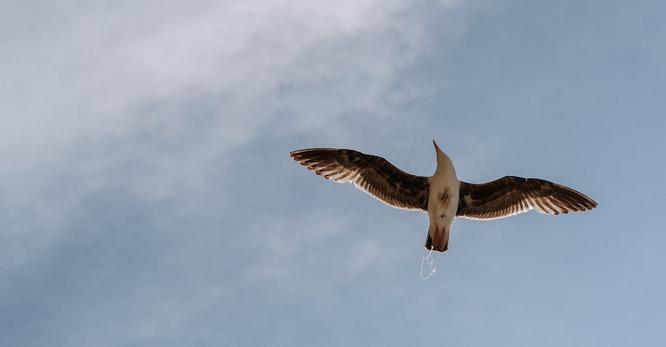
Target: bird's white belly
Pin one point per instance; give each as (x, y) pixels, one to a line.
(443, 199)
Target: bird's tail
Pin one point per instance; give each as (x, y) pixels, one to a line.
(438, 238)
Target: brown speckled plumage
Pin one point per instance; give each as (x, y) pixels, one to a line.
(443, 198)
(511, 195)
(373, 174)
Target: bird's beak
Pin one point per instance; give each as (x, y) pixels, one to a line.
(436, 147)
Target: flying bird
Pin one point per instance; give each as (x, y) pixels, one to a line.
(442, 195)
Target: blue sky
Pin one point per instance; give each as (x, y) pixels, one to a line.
(147, 197)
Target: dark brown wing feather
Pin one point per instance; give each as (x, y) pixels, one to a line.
(374, 175)
(511, 195)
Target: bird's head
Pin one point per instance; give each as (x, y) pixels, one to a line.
(437, 149)
(443, 160)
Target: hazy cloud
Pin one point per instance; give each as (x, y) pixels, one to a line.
(129, 129)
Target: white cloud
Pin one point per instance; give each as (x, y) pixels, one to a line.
(150, 99)
(98, 94)
(89, 74)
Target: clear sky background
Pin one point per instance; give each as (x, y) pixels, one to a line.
(147, 198)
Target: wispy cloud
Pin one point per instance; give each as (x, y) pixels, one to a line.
(153, 96)
(129, 134)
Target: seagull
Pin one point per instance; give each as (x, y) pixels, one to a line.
(442, 195)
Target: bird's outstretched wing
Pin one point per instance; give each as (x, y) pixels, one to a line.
(512, 195)
(374, 175)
